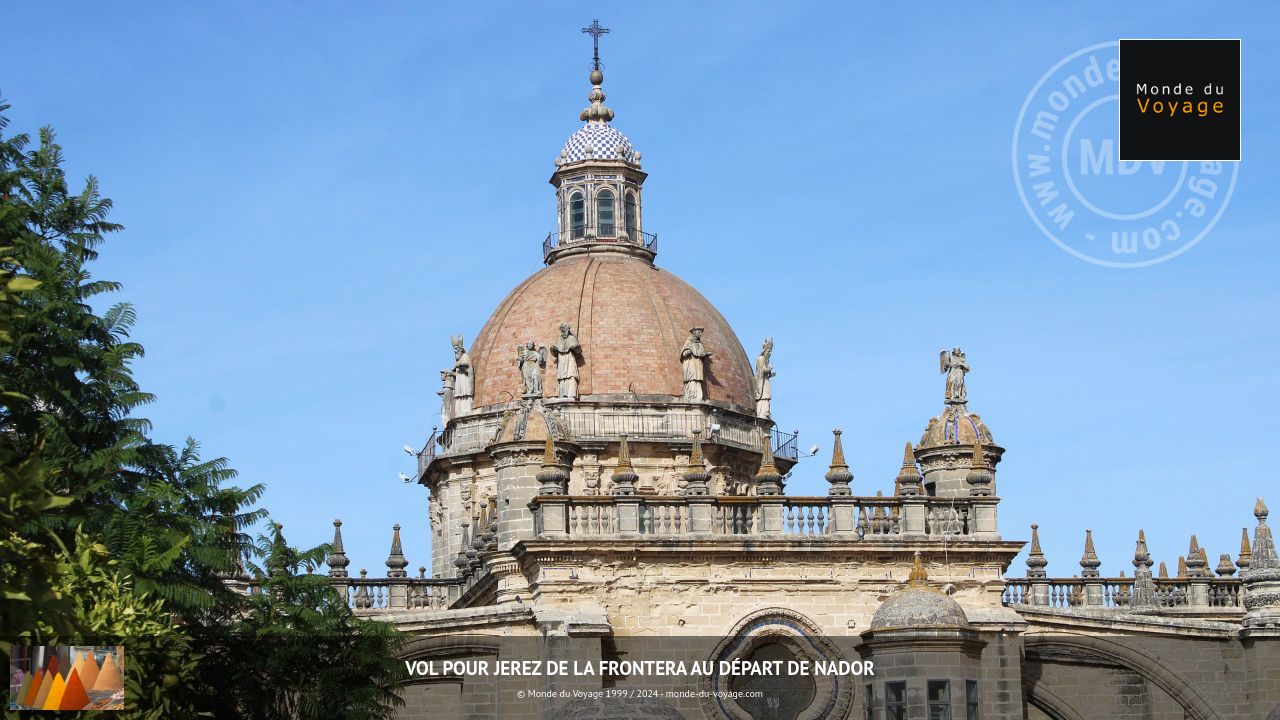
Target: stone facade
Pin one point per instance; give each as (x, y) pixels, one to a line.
(629, 522)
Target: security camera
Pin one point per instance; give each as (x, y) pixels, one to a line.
(410, 450)
(405, 478)
(814, 450)
(715, 427)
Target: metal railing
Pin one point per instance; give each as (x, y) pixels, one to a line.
(429, 451)
(616, 234)
(786, 445)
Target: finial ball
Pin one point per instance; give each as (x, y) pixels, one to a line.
(597, 77)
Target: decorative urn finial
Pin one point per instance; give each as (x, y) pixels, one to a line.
(624, 476)
(1089, 562)
(337, 560)
(768, 479)
(695, 471)
(396, 562)
(909, 482)
(1036, 561)
(838, 474)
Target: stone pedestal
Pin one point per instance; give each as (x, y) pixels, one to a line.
(628, 508)
(700, 513)
(770, 522)
(914, 510)
(842, 510)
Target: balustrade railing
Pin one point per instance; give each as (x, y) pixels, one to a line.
(370, 594)
(470, 436)
(668, 425)
(1117, 593)
(863, 518)
(475, 432)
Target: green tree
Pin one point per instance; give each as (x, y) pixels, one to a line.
(321, 661)
(96, 510)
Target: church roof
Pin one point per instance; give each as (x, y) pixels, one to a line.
(631, 319)
(598, 141)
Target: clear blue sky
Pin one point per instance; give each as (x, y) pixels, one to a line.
(318, 194)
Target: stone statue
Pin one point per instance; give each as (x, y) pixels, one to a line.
(463, 383)
(693, 359)
(952, 363)
(447, 378)
(566, 350)
(764, 380)
(437, 515)
(531, 360)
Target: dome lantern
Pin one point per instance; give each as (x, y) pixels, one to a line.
(598, 183)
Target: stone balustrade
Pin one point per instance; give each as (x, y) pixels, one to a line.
(862, 518)
(1117, 593)
(367, 595)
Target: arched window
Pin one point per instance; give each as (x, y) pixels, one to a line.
(605, 214)
(577, 216)
(632, 217)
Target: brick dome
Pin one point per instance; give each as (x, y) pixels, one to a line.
(631, 319)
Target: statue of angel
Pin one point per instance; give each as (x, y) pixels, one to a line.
(531, 360)
(953, 364)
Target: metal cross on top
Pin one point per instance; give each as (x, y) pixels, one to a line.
(595, 31)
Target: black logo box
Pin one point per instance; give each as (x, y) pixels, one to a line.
(1186, 69)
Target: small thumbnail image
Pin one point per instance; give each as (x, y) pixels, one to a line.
(66, 677)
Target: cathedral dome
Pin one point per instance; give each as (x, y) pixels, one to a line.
(955, 426)
(631, 318)
(598, 141)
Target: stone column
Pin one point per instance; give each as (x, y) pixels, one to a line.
(397, 583)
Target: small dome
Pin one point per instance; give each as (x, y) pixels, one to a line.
(955, 426)
(919, 607)
(598, 141)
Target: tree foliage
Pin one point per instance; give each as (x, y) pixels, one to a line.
(108, 536)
